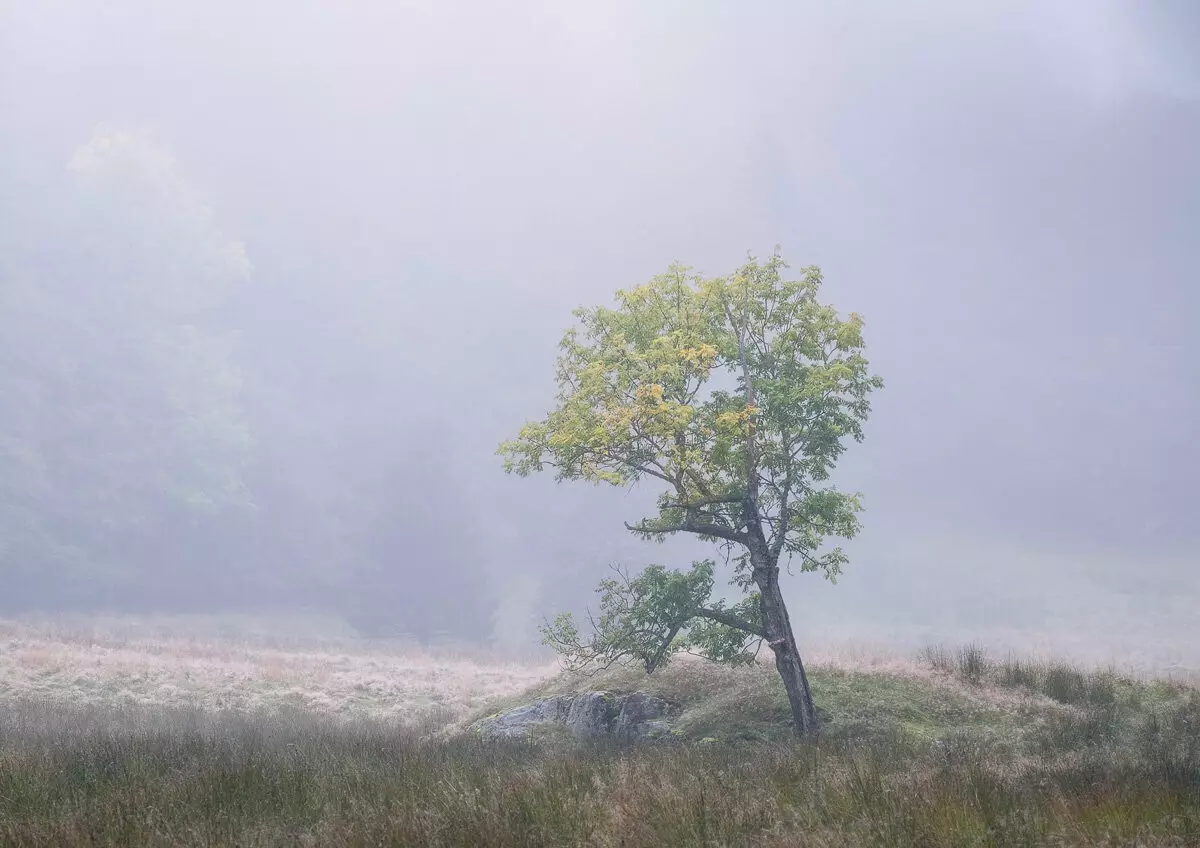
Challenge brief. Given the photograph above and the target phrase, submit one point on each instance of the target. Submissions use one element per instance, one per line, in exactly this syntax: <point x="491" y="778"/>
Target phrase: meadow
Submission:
<point x="160" y="733"/>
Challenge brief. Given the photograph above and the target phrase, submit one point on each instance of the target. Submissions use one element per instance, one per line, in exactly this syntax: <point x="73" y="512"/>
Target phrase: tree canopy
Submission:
<point x="736" y="395"/>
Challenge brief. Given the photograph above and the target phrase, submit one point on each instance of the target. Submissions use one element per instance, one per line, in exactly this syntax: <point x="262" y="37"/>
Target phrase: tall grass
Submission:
<point x="967" y="751"/>
<point x="970" y="662"/>
<point x="1056" y="680"/>
<point x="112" y="776"/>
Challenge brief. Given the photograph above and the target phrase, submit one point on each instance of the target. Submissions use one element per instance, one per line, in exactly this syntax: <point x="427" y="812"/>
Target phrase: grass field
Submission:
<point x="115" y="734"/>
<point x="250" y="665"/>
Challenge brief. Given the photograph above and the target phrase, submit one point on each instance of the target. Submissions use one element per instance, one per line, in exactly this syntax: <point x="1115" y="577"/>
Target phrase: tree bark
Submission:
<point x="782" y="641"/>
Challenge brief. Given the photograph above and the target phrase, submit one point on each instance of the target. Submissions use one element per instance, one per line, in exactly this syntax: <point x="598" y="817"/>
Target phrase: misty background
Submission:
<point x="276" y="278"/>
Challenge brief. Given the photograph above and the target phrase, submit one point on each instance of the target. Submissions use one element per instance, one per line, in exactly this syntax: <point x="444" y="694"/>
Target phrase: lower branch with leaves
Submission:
<point x="655" y="615"/>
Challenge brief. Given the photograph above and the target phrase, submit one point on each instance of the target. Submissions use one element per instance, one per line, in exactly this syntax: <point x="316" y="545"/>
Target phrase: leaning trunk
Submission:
<point x="764" y="564"/>
<point x="778" y="627"/>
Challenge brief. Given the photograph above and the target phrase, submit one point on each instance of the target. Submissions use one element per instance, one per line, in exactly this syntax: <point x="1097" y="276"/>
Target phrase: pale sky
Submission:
<point x="1008" y="192"/>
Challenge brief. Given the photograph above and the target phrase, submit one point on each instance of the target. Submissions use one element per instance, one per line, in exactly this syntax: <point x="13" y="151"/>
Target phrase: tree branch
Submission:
<point x="653" y="662"/>
<point x="714" y="530"/>
<point x="713" y="501"/>
<point x="730" y="620"/>
<point x="750" y="504"/>
<point x="784" y="512"/>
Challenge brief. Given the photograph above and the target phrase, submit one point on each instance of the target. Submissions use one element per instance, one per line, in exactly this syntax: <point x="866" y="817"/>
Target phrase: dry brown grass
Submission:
<point x="162" y="732"/>
<point x="107" y="662"/>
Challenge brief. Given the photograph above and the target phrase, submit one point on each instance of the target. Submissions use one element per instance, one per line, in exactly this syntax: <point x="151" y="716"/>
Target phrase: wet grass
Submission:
<point x="996" y="754"/>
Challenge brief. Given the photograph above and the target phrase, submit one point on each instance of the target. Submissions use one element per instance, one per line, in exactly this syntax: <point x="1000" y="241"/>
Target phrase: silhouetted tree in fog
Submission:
<point x="122" y="440"/>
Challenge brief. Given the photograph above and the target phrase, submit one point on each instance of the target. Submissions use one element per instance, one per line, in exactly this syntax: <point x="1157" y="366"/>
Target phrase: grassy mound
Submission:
<point x="945" y="695"/>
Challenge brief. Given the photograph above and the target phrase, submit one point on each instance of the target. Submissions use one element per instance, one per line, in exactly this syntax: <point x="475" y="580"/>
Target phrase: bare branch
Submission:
<point x="597" y="668"/>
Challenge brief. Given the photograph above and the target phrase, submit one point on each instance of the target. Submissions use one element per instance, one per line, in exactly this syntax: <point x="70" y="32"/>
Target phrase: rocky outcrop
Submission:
<point x="588" y="715"/>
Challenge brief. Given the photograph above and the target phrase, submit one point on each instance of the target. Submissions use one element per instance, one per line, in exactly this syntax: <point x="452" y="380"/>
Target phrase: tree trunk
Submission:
<point x="778" y="627"/>
<point x="764" y="563"/>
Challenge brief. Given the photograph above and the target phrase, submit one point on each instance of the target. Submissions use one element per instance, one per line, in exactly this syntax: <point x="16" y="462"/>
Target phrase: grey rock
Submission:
<point x="641" y="715"/>
<point x="656" y="729"/>
<point x="591" y="715"/>
<point x="588" y="715"/>
<point x="522" y="721"/>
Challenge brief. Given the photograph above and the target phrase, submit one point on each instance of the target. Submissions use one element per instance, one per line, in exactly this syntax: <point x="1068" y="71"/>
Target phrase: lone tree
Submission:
<point x="736" y="395"/>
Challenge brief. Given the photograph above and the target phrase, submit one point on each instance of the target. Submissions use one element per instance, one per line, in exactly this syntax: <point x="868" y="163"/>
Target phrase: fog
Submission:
<point x="278" y="277"/>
